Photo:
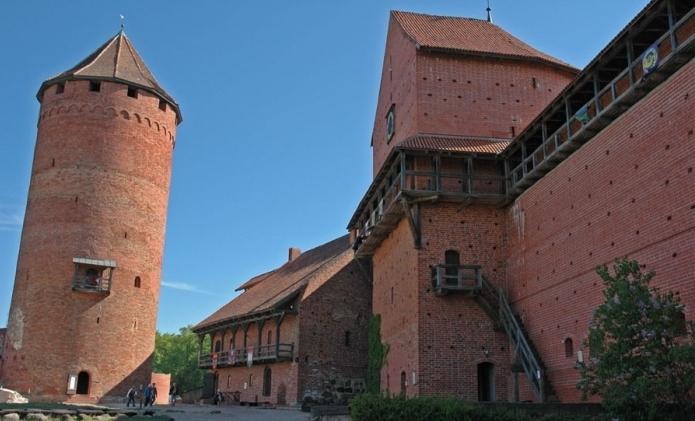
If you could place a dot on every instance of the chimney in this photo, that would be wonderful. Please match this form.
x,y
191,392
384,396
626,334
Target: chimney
x,y
294,253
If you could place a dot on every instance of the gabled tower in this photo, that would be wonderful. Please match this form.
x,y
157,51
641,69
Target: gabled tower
x,y
84,305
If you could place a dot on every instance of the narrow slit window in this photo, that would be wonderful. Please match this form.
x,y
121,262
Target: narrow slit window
x,y
94,86
60,88
132,92
162,105
137,282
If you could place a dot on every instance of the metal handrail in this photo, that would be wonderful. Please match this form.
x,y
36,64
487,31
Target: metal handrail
x,y
527,357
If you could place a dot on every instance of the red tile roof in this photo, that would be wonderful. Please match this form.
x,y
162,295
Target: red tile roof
x,y
454,144
304,274
115,60
467,35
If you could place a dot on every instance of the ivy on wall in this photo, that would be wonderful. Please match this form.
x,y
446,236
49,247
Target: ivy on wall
x,y
377,354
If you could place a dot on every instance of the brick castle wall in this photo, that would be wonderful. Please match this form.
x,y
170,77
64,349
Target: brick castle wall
x,y
99,188
339,306
627,192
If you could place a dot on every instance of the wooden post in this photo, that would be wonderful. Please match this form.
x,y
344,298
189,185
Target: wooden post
x,y
671,23
437,172
278,321
568,117
401,157
469,175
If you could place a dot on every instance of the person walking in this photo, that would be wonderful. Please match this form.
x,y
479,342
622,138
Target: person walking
x,y
153,394
172,394
148,394
131,397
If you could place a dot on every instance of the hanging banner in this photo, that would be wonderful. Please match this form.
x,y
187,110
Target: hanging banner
x,y
650,59
583,115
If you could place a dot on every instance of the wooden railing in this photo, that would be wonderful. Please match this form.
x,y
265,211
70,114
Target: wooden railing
x,y
265,353
450,278
101,284
623,90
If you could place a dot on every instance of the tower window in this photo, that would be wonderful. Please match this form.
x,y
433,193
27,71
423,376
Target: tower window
x,y
137,282
60,88
347,338
569,348
391,123
82,383
162,105
270,337
132,92
94,86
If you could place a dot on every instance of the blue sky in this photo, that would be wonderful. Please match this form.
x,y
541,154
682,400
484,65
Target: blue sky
x,y
278,99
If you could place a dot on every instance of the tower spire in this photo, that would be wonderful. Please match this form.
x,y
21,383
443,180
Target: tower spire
x,y
489,15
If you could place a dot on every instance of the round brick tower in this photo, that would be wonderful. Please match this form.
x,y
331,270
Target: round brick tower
x,y
84,305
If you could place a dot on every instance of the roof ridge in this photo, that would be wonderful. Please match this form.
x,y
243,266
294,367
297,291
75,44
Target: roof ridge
x,y
393,11
100,50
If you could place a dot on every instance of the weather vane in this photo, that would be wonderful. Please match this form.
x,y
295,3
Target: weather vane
x,y
122,22
489,15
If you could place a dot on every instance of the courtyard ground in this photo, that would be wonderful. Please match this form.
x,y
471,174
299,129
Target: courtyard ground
x,y
185,412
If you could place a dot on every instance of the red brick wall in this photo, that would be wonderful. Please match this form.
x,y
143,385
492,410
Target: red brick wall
x,y
395,298
628,192
467,95
99,188
341,304
283,376
162,381
455,334
398,86
457,94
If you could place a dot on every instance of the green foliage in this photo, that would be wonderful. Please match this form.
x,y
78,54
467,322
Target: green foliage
x,y
177,354
374,407
642,358
377,354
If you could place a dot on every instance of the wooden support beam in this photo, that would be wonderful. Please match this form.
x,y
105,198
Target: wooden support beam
x,y
278,322
412,214
401,157
670,8
259,326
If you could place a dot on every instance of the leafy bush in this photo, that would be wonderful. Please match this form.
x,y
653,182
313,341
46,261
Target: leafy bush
x,y
642,352
377,354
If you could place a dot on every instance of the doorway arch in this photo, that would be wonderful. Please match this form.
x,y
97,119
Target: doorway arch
x,y
82,383
486,382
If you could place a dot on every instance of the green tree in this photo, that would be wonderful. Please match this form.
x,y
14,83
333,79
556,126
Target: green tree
x,y
642,352
177,354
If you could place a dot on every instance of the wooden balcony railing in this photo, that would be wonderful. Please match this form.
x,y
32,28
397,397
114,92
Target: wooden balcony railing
x,y
451,278
259,354
101,284
581,119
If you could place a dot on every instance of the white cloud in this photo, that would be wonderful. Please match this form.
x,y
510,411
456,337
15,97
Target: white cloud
x,y
183,286
10,218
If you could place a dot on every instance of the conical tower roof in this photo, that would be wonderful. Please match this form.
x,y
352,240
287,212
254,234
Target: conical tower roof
x,y
118,61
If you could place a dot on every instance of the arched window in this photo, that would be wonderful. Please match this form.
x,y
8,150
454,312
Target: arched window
x,y
452,260
347,338
486,382
403,381
569,348
218,345
267,379
137,282
82,383
270,337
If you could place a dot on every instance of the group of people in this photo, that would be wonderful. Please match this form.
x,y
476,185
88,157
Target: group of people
x,y
147,395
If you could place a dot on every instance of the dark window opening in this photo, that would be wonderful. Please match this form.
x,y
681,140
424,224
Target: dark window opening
x,y
82,383
132,92
137,282
218,345
569,348
94,86
535,83
347,338
403,381
267,379
162,105
270,337
452,260
60,88
486,382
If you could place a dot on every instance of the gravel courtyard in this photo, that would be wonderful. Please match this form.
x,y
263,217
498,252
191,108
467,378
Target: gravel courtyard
x,y
183,412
